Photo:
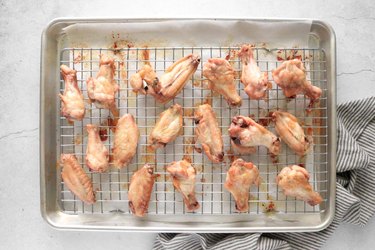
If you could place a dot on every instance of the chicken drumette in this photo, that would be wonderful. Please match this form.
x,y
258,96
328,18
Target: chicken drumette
x,y
167,128
125,141
183,174
241,175
140,189
294,181
72,104
76,179
245,134
291,77
220,75
102,89
208,133
256,83
96,152
170,84
291,132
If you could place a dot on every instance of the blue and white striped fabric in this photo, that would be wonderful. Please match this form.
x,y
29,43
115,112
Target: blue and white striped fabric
x,y
355,191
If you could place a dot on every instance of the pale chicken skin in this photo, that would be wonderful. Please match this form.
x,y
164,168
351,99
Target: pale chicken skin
x,y
170,84
240,176
96,152
102,89
167,127
72,102
256,83
291,78
291,132
125,141
183,174
294,181
144,81
245,134
140,189
76,179
208,133
220,75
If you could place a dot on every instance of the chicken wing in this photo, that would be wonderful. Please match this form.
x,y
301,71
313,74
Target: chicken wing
x,y
140,189
102,89
96,152
183,174
256,83
167,128
291,132
208,133
291,77
245,134
176,77
76,179
145,81
125,141
220,75
72,104
241,175
294,181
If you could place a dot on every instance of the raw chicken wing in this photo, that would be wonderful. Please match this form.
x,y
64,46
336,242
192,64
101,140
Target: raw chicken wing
x,y
291,77
220,75
208,133
245,134
140,189
294,181
291,132
256,83
102,89
125,142
183,174
241,175
96,152
167,128
72,104
76,179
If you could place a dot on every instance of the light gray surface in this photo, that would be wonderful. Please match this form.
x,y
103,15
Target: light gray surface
x,y
21,24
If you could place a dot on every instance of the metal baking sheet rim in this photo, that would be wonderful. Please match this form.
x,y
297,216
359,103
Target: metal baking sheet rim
x,y
49,208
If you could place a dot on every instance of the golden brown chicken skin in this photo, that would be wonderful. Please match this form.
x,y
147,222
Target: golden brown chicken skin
x,y
291,132
240,176
72,102
220,75
96,152
76,179
144,81
183,174
102,89
291,78
208,133
256,83
245,134
140,189
167,127
294,181
125,141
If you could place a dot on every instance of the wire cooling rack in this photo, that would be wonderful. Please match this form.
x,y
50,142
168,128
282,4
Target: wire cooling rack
x,y
112,187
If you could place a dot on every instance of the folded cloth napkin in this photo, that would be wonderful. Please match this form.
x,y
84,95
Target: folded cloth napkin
x,y
355,191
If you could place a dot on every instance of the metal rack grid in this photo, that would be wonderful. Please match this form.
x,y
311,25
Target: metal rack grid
x,y
112,187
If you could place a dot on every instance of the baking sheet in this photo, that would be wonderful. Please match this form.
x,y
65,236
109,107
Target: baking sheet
x,y
126,43
276,34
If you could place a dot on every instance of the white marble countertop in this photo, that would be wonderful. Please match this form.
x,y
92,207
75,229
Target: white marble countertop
x,y
21,24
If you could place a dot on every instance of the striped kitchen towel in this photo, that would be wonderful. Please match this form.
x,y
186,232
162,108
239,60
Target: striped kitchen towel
x,y
355,191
